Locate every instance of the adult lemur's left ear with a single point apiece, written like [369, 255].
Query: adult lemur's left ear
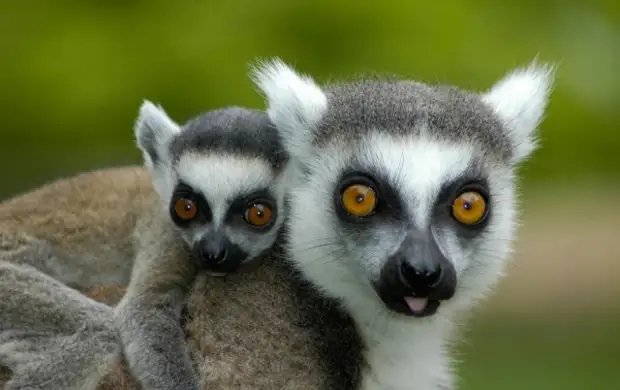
[520, 100]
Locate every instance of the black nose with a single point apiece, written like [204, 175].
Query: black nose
[420, 280]
[213, 256]
[214, 250]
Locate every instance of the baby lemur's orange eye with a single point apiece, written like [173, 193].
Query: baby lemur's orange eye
[469, 208]
[186, 209]
[259, 214]
[359, 200]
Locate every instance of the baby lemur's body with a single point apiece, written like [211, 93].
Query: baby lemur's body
[211, 200]
[402, 214]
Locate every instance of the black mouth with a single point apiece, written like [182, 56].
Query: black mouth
[247, 265]
[227, 268]
[224, 268]
[398, 305]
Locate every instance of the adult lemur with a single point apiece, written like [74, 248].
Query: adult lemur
[219, 185]
[403, 215]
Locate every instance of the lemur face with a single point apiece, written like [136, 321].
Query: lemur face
[411, 218]
[406, 197]
[221, 178]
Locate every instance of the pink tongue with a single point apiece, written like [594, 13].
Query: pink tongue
[416, 304]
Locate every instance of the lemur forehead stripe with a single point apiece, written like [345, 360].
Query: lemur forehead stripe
[414, 172]
[222, 176]
[427, 181]
[409, 108]
[234, 130]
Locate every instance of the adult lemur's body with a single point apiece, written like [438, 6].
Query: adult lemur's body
[403, 214]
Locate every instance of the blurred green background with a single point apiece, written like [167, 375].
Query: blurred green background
[73, 74]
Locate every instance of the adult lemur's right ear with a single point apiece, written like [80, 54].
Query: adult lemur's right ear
[520, 100]
[154, 130]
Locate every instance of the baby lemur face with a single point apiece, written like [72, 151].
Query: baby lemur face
[222, 180]
[407, 194]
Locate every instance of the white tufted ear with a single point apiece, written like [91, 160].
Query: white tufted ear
[153, 131]
[520, 99]
[295, 103]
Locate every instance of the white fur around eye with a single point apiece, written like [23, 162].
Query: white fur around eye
[204, 173]
[401, 352]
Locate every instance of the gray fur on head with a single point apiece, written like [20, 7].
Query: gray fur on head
[419, 146]
[226, 156]
[303, 112]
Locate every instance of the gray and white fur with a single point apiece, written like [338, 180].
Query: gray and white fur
[226, 163]
[404, 271]
[99, 228]
[333, 315]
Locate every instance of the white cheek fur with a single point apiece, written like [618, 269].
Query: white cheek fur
[399, 348]
[401, 352]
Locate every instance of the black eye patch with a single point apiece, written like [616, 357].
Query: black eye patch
[465, 204]
[186, 192]
[247, 210]
[387, 201]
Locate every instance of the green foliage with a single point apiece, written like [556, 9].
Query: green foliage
[558, 354]
[74, 73]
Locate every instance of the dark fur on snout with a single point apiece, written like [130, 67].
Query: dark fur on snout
[419, 269]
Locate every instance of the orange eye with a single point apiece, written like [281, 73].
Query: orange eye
[259, 214]
[469, 208]
[186, 209]
[359, 200]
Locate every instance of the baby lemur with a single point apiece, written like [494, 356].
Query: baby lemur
[402, 214]
[219, 184]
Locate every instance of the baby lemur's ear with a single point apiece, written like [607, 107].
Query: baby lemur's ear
[154, 130]
[295, 104]
[520, 100]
